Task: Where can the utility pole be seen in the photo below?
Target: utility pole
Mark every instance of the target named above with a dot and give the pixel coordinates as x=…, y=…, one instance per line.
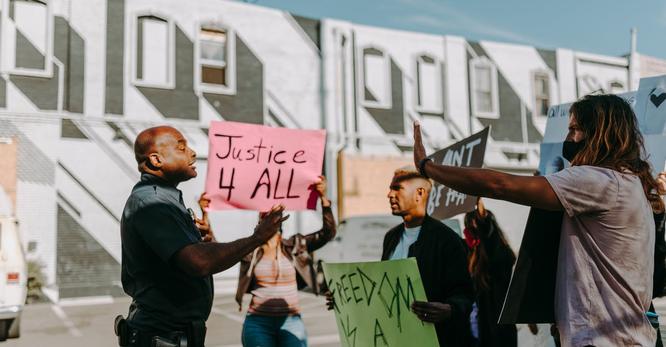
x=634, y=62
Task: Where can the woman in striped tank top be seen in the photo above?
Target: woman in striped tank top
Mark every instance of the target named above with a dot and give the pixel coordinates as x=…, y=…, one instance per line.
x=273, y=274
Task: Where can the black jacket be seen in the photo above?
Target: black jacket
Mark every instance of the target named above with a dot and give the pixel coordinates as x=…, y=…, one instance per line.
x=442, y=260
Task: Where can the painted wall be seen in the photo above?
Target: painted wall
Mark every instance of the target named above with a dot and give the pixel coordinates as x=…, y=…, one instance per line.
x=76, y=90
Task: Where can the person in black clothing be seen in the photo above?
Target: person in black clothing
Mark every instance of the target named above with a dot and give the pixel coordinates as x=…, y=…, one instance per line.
x=490, y=264
x=440, y=255
x=659, y=275
x=166, y=265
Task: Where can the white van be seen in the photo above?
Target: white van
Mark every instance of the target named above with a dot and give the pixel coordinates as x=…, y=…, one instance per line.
x=13, y=278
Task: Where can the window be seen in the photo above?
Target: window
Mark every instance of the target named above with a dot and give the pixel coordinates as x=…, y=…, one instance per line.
x=154, y=66
x=428, y=85
x=376, y=78
x=31, y=37
x=484, y=96
x=541, y=93
x=213, y=56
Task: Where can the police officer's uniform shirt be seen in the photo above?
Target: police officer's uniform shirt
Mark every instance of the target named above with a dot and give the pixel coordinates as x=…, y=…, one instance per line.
x=155, y=225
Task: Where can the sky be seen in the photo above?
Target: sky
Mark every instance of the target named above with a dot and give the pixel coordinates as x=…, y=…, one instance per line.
x=593, y=26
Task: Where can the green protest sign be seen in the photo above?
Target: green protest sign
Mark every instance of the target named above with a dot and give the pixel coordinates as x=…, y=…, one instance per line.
x=373, y=303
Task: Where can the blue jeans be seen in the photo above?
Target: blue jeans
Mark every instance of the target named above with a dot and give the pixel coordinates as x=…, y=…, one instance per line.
x=265, y=331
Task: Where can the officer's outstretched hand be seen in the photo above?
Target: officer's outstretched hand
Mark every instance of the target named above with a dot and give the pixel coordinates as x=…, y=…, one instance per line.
x=270, y=223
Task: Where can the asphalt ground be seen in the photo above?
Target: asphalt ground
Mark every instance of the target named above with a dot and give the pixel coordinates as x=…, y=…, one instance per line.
x=89, y=322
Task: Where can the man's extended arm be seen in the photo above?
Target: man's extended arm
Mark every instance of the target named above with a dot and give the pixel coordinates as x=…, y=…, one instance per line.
x=204, y=259
x=532, y=191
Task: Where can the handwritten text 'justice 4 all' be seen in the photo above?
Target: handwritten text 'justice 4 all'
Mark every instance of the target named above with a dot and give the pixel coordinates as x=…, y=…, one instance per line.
x=260, y=152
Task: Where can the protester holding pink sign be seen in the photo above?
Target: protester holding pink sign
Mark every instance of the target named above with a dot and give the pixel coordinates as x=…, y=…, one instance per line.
x=254, y=167
x=273, y=273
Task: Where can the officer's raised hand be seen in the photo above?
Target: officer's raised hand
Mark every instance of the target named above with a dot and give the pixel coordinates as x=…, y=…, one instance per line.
x=270, y=223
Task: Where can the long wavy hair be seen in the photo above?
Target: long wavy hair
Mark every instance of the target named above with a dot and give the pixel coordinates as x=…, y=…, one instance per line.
x=613, y=140
x=492, y=242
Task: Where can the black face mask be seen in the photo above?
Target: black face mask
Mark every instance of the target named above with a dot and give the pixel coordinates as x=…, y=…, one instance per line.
x=571, y=148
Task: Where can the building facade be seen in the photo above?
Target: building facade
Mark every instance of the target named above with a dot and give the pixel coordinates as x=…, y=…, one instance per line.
x=80, y=78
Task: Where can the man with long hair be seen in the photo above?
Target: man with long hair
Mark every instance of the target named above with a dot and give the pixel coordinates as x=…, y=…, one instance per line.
x=604, y=276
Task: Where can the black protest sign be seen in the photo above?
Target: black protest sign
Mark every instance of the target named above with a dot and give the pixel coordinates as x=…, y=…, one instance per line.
x=531, y=294
x=443, y=201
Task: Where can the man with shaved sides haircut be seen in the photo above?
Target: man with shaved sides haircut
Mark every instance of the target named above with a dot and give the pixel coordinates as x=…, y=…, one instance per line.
x=440, y=255
x=167, y=267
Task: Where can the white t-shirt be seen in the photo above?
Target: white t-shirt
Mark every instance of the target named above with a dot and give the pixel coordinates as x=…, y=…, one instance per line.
x=606, y=258
x=407, y=238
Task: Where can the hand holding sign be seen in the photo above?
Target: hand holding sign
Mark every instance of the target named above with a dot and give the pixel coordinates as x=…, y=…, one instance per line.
x=270, y=223
x=431, y=312
x=204, y=229
x=661, y=183
x=204, y=202
x=330, y=300
x=321, y=188
x=203, y=224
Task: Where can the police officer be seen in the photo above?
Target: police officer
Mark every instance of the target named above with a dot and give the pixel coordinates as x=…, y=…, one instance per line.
x=167, y=268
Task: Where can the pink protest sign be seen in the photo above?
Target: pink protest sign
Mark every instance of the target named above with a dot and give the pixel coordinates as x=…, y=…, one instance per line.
x=254, y=167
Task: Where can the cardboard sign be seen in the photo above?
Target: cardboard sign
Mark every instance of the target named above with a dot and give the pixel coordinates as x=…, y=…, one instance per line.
x=443, y=201
x=254, y=167
x=373, y=303
x=655, y=146
x=651, y=105
x=557, y=123
x=551, y=160
x=531, y=294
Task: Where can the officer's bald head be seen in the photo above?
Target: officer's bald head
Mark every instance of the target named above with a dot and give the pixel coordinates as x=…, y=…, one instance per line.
x=147, y=142
x=162, y=151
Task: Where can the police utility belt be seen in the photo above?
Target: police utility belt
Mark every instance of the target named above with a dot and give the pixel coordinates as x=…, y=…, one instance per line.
x=193, y=336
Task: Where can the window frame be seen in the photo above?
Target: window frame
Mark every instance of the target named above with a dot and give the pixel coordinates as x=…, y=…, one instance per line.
x=171, y=51
x=9, y=28
x=494, y=88
x=230, y=61
x=439, y=107
x=547, y=75
x=387, y=103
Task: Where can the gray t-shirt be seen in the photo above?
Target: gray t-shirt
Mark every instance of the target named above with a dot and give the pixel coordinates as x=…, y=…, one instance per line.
x=605, y=266
x=409, y=236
